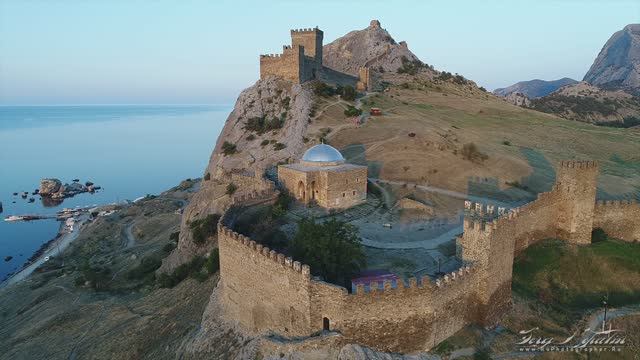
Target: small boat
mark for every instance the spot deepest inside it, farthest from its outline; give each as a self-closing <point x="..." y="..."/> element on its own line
<point x="13" y="218"/>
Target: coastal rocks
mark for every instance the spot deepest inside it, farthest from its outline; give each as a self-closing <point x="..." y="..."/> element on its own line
<point x="49" y="186"/>
<point x="53" y="191"/>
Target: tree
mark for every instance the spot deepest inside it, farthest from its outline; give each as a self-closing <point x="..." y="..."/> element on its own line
<point x="349" y="93"/>
<point x="332" y="249"/>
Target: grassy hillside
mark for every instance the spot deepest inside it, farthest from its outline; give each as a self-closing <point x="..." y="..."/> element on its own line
<point x="426" y="124"/>
<point x="577" y="278"/>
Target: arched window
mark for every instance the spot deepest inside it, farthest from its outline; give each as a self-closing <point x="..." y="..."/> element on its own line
<point x="325" y="324"/>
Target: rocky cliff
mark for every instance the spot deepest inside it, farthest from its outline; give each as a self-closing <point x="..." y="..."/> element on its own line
<point x="265" y="127"/>
<point x="618" y="63"/>
<point x="534" y="88"/>
<point x="373" y="47"/>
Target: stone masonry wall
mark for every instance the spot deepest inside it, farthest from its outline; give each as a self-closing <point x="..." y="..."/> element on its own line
<point x="288" y="65"/>
<point x="345" y="188"/>
<point x="619" y="219"/>
<point x="261" y="289"/>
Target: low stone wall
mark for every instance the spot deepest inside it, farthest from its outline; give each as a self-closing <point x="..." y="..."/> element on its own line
<point x="619" y="219"/>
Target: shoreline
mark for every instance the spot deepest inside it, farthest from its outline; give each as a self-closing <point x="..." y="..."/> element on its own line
<point x="51" y="248"/>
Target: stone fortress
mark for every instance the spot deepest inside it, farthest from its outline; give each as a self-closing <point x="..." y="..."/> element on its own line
<point x="302" y="61"/>
<point x="267" y="292"/>
<point x="323" y="177"/>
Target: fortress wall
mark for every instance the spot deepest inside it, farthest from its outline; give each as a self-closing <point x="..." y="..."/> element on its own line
<point x="287" y="65"/>
<point x="619" y="219"/>
<point x="335" y="77"/>
<point x="412" y="316"/>
<point x="261" y="289"/>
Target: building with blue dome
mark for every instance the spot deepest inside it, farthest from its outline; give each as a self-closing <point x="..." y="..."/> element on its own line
<point x="323" y="177"/>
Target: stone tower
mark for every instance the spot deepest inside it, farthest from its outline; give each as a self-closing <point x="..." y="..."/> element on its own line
<point x="311" y="40"/>
<point x="576" y="185"/>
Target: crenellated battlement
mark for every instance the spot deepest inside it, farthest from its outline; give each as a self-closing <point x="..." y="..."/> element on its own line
<point x="413" y="285"/>
<point x="305" y="30"/>
<point x="616" y="203"/>
<point x="483" y="209"/>
<point x="264" y="251"/>
<point x="579" y="164"/>
<point x="254" y="196"/>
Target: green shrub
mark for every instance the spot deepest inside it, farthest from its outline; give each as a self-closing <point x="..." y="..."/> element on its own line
<point x="279" y="146"/>
<point x="251" y="137"/>
<point x="202" y="229"/>
<point x="228" y="148"/>
<point x="98" y="277"/>
<point x="506" y="142"/>
<point x="281" y="205"/>
<point x="322" y="89"/>
<point x="193" y="268"/>
<point x="352" y="111"/>
<point x="264" y="142"/>
<point x="212" y="264"/>
<point x="168" y="247"/>
<point x="349" y="93"/>
<point x="332" y="249"/>
<point x="470" y="152"/>
<point x="174" y="236"/>
<point x="444" y="76"/>
<point x="231" y="189"/>
<point x="207" y="177"/>
<point x="410" y="67"/>
<point x="261" y="124"/>
<point x="148" y="265"/>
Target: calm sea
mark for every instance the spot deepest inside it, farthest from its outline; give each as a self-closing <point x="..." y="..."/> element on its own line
<point x="130" y="151"/>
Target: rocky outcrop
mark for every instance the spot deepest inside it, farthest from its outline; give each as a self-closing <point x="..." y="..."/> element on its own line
<point x="243" y="152"/>
<point x="588" y="103"/>
<point x="518" y="99"/>
<point x="533" y="88"/>
<point x="49" y="186"/>
<point x="617" y="66"/>
<point x="372" y="47"/>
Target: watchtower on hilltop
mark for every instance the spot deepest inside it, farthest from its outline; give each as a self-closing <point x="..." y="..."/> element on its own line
<point x="302" y="61"/>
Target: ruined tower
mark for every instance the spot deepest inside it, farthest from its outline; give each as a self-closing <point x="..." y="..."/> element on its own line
<point x="576" y="185"/>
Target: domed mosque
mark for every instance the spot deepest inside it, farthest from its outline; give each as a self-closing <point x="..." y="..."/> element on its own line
<point x="323" y="176"/>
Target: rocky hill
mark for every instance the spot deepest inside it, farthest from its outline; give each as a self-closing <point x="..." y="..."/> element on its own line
<point x="373" y="47"/>
<point x="534" y="88"/>
<point x="588" y="103"/>
<point x="266" y="126"/>
<point x="618" y="63"/>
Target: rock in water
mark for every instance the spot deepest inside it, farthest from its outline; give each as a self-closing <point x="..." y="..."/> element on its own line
<point x="1" y="207"/>
<point x="49" y="186"/>
<point x="8" y="258"/>
<point x="617" y="66"/>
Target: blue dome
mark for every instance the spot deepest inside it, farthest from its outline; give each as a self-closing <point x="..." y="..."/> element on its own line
<point x="322" y="153"/>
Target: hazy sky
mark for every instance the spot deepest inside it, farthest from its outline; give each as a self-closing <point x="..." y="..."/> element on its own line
<point x="196" y="51"/>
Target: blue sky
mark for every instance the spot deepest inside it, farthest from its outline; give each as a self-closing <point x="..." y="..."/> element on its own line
<point x="196" y="51"/>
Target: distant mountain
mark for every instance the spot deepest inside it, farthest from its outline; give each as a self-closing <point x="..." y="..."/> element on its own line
<point x="534" y="88"/>
<point x="373" y="47"/>
<point x="617" y="66"/>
